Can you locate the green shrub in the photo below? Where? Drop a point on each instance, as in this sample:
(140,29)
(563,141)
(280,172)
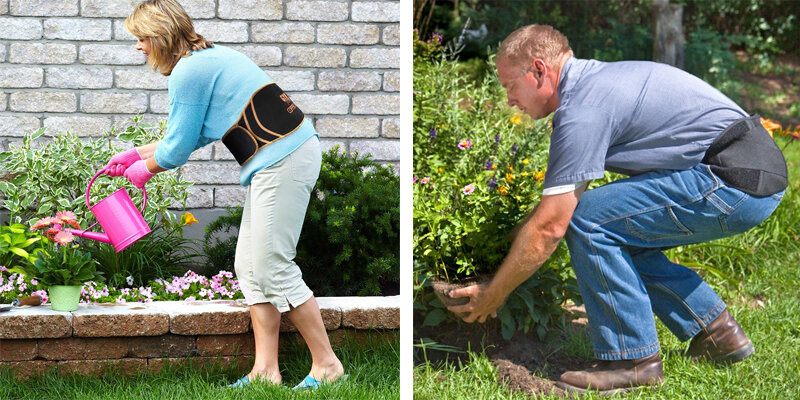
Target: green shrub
(350,240)
(219,245)
(478,171)
(350,244)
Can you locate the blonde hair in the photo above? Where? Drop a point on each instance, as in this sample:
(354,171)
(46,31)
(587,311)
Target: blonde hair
(170,30)
(534,41)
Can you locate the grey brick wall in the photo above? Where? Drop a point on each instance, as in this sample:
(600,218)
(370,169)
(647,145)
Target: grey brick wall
(71,65)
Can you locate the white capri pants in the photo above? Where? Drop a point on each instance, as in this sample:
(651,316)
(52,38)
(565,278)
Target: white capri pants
(272,218)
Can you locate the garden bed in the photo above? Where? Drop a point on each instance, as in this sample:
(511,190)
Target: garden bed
(135,336)
(524,363)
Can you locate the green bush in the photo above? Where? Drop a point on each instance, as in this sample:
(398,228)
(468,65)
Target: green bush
(219,245)
(478,171)
(350,240)
(350,244)
(45,175)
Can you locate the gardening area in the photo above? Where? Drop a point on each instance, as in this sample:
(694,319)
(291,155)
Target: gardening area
(349,249)
(478,171)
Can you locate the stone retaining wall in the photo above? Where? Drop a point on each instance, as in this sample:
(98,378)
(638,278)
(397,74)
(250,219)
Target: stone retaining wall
(134,337)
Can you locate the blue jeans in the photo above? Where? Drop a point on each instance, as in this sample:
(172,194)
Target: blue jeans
(616,238)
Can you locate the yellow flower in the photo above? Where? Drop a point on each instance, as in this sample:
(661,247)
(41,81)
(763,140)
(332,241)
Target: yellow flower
(539,175)
(516,120)
(494,166)
(526,161)
(509,177)
(502,190)
(523,173)
(510,168)
(189,219)
(441,170)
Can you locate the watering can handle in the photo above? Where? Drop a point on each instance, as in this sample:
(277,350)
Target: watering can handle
(144,193)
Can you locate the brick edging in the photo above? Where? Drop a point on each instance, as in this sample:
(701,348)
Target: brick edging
(136,336)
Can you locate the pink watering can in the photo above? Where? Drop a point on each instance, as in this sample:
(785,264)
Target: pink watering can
(119,218)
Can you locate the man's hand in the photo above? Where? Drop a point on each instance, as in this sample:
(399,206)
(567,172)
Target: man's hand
(482,303)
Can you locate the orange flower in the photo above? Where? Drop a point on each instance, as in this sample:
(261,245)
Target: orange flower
(770,125)
(539,175)
(509,177)
(502,190)
(516,120)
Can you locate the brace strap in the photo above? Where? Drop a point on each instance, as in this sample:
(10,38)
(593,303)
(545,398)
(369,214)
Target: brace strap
(268,116)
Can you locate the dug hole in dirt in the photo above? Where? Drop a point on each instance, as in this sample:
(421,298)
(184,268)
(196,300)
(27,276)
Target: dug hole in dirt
(524,363)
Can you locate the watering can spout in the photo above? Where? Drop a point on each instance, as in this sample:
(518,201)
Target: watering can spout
(100,237)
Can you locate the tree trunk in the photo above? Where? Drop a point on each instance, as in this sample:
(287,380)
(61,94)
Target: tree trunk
(668,37)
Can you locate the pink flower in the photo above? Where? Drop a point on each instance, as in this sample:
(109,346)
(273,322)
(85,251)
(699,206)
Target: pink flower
(415,179)
(468,189)
(42,293)
(64,237)
(67,218)
(43,222)
(464,144)
(425,180)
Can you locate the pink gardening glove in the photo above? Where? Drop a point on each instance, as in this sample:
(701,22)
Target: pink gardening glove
(138,174)
(121,161)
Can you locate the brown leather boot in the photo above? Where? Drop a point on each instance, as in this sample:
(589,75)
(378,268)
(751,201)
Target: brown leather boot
(722,341)
(611,377)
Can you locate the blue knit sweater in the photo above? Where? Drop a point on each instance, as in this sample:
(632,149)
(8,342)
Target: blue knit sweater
(207,93)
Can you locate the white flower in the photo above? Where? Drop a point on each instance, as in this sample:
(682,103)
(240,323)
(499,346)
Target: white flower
(129,280)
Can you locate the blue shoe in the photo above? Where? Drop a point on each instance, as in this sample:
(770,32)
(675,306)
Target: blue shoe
(310,383)
(242,382)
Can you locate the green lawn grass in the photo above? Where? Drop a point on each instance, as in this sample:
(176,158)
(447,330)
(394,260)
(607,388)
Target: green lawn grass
(766,302)
(373,367)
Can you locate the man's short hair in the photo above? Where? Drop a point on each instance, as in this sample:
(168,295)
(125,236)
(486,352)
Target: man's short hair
(533,41)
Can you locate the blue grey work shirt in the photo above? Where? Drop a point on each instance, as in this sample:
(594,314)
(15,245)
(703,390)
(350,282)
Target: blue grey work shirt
(631,117)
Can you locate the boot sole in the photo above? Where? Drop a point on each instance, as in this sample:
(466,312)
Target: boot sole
(603,393)
(736,355)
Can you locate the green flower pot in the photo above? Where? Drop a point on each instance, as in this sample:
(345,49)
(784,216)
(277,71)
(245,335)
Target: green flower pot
(64,298)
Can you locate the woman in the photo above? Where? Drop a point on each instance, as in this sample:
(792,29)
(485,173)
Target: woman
(218,93)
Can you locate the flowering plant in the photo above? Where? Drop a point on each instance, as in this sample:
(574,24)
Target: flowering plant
(478,171)
(16,284)
(62,263)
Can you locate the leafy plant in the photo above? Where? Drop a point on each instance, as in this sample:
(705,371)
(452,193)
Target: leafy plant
(350,242)
(219,245)
(478,171)
(42,176)
(64,265)
(18,244)
(163,252)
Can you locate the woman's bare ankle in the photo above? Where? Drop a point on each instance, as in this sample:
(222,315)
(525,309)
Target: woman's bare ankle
(264,375)
(328,372)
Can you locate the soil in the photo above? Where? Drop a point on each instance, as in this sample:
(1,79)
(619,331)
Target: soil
(524,363)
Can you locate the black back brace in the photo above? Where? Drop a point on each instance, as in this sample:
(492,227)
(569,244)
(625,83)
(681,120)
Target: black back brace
(268,116)
(745,157)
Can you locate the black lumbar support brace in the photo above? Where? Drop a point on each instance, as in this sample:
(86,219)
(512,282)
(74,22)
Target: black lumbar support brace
(268,116)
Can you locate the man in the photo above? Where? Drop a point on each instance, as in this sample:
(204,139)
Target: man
(700,169)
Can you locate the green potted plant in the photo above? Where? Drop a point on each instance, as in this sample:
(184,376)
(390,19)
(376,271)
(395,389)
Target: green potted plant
(62,267)
(478,171)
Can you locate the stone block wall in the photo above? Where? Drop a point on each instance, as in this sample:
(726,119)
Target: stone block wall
(71,65)
(136,337)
